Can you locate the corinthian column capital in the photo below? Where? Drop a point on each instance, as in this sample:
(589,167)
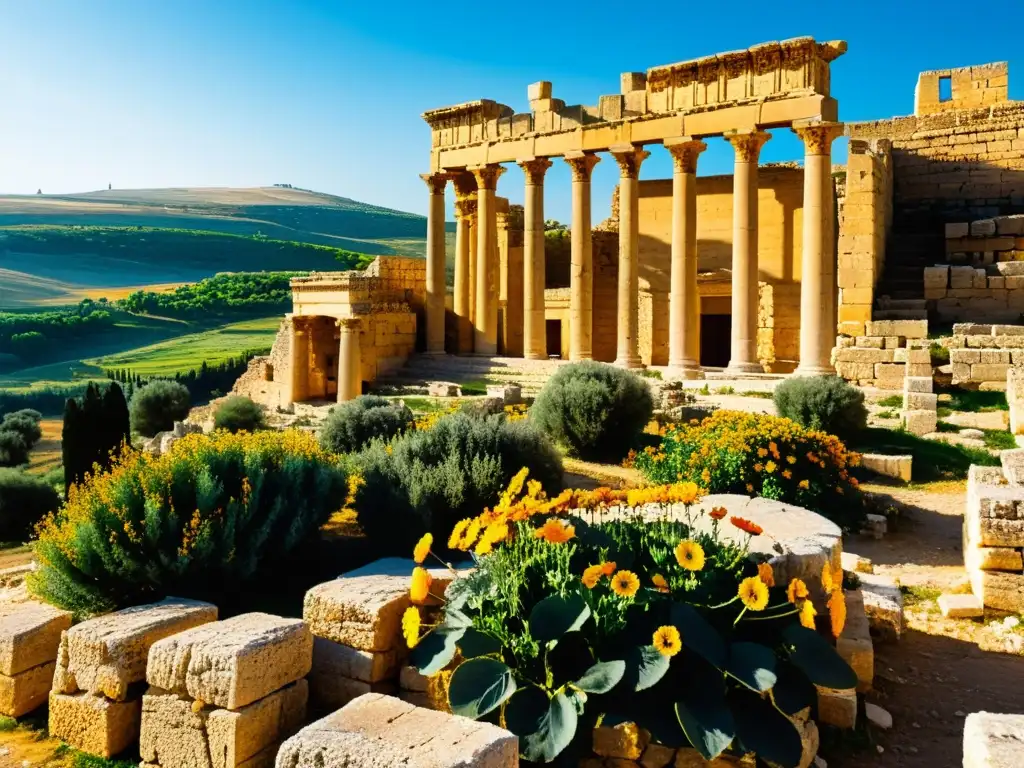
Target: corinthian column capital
(581,164)
(747,144)
(817,135)
(534,168)
(685,151)
(464,183)
(629,158)
(486,175)
(435,182)
(465,207)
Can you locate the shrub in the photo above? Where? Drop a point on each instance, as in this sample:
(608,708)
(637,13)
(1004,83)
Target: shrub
(760,455)
(24,501)
(596,411)
(427,480)
(197,521)
(96,427)
(13,449)
(661,620)
(156,407)
(350,426)
(826,403)
(238,413)
(26,423)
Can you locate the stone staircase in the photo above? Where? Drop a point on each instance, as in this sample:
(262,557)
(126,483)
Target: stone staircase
(420,370)
(900,292)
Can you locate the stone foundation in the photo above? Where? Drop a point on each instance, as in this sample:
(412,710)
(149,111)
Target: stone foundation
(29,638)
(889,351)
(981,355)
(994,533)
(95,724)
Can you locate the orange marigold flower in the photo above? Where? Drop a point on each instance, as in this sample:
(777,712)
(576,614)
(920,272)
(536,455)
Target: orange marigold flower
(753,593)
(826,578)
(770,467)
(420,587)
(750,487)
(592,575)
(608,568)
(667,641)
(717,513)
(706,476)
(747,526)
(796,590)
(762,452)
(555,531)
(805,484)
(758,467)
(690,555)
(807,614)
(787,474)
(791,459)
(625,583)
(659,582)
(837,612)
(422,549)
(766,574)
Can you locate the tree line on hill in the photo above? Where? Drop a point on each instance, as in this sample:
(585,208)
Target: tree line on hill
(203,383)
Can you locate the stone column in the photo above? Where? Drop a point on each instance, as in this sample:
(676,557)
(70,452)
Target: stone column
(350,376)
(474,232)
(434,304)
(485,325)
(818,255)
(298,361)
(683,300)
(581,259)
(747,145)
(465,208)
(629,159)
(535,346)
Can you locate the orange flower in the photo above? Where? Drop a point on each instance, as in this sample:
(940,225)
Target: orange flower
(767,575)
(592,575)
(804,484)
(608,568)
(718,513)
(796,590)
(747,526)
(807,614)
(750,487)
(555,531)
(659,582)
(826,578)
(420,588)
(422,549)
(837,612)
(625,583)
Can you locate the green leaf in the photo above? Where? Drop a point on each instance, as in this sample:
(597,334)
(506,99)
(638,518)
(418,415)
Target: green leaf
(555,731)
(475,643)
(817,659)
(526,710)
(435,650)
(753,665)
(479,686)
(698,635)
(602,677)
(645,666)
(555,615)
(455,619)
(793,692)
(764,730)
(707,722)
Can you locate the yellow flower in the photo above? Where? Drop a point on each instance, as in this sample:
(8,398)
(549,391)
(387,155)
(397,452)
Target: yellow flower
(753,593)
(787,474)
(796,590)
(826,578)
(791,459)
(770,467)
(667,641)
(555,531)
(625,583)
(471,534)
(804,484)
(420,588)
(515,485)
(422,549)
(533,488)
(766,574)
(807,614)
(762,452)
(706,476)
(690,555)
(592,575)
(659,582)
(837,612)
(455,540)
(411,626)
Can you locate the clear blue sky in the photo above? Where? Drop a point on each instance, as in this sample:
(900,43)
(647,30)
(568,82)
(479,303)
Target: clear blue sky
(328,95)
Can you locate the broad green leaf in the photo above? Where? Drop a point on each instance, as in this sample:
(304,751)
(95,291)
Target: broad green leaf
(817,659)
(707,722)
(753,665)
(479,686)
(554,733)
(698,635)
(793,692)
(455,619)
(555,615)
(475,643)
(602,677)
(436,650)
(763,729)
(525,710)
(645,666)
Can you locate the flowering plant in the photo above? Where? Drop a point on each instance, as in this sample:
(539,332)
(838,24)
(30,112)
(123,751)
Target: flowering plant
(760,455)
(634,607)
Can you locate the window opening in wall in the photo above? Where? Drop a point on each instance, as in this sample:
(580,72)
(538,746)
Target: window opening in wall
(945,89)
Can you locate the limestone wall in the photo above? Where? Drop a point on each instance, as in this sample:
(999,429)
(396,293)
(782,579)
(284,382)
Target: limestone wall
(889,351)
(969,87)
(265,377)
(981,355)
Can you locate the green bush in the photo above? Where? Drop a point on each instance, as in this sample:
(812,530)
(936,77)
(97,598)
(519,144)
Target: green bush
(96,427)
(13,449)
(156,407)
(350,426)
(238,413)
(24,501)
(826,403)
(198,521)
(596,411)
(26,423)
(428,480)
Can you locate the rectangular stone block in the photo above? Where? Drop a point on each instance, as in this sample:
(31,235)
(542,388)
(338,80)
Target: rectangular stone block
(234,662)
(898,467)
(1012,463)
(331,692)
(989,372)
(994,558)
(913,356)
(917,384)
(997,589)
(330,658)
(105,655)
(983,228)
(908,329)
(29,635)
(920,422)
(856,371)
(854,644)
(384,731)
(992,532)
(920,401)
(837,707)
(961,606)
(864,355)
(870,342)
(883,603)
(25,691)
(94,724)
(959,229)
(993,741)
(176,733)
(410,679)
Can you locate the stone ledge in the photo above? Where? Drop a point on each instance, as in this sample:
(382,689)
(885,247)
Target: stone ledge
(993,740)
(30,635)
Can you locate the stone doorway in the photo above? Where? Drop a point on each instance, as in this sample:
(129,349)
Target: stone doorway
(715,340)
(554,337)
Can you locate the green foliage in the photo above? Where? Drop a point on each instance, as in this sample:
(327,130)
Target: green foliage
(96,428)
(892,401)
(999,439)
(13,449)
(933,460)
(26,423)
(31,335)
(350,426)
(428,479)
(939,354)
(156,406)
(826,403)
(202,382)
(595,410)
(237,413)
(198,521)
(231,294)
(46,398)
(974,400)
(24,501)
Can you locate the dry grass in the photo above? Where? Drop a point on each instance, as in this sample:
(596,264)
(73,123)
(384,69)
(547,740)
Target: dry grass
(46,455)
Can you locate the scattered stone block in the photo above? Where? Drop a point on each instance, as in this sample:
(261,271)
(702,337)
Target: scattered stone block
(30,635)
(330,658)
(443,389)
(854,644)
(1013,465)
(920,401)
(993,741)
(410,679)
(625,741)
(994,558)
(898,467)
(855,563)
(23,692)
(377,730)
(107,654)
(877,716)
(961,606)
(234,662)
(657,756)
(837,707)
(94,724)
(875,525)
(510,394)
(920,422)
(883,603)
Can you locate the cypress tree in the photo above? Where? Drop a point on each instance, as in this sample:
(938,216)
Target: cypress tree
(116,425)
(70,450)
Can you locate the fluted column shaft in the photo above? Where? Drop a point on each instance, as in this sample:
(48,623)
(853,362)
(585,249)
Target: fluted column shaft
(534,331)
(465,209)
(581,259)
(684,300)
(298,360)
(818,257)
(747,145)
(485,326)
(350,377)
(629,159)
(435,288)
